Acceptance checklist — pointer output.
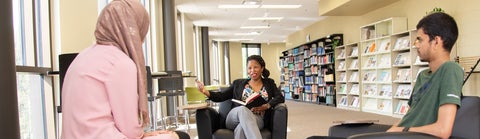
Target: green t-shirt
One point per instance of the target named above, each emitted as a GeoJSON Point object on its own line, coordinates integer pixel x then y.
{"type": "Point", "coordinates": [431, 91]}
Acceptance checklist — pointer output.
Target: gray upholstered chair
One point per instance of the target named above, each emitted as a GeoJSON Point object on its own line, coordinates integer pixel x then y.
{"type": "Point", "coordinates": [211, 123]}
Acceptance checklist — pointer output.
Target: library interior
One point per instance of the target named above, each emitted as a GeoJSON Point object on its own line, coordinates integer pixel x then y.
{"type": "Point", "coordinates": [224, 69]}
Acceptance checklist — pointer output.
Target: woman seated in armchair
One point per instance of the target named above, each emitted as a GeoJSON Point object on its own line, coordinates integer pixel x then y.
{"type": "Point", "coordinates": [245, 122]}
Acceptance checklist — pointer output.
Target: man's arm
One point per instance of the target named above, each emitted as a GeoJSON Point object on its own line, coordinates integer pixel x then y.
{"type": "Point", "coordinates": [441, 128]}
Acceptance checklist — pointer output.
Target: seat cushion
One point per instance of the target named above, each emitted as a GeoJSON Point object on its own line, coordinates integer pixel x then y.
{"type": "Point", "coordinates": [228, 134]}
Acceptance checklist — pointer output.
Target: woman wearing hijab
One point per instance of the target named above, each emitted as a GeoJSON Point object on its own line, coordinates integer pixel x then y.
{"type": "Point", "coordinates": [104, 90]}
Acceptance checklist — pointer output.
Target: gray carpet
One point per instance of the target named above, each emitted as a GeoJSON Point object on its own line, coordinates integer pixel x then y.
{"type": "Point", "coordinates": [308, 119]}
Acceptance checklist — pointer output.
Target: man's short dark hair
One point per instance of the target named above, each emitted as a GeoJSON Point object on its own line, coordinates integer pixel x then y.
{"type": "Point", "coordinates": [442, 25]}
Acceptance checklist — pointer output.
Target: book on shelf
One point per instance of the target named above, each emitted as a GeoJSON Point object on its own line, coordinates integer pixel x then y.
{"type": "Point", "coordinates": [354, 77]}
{"type": "Point", "coordinates": [354, 51]}
{"type": "Point", "coordinates": [354, 64]}
{"type": "Point", "coordinates": [403, 91]}
{"type": "Point", "coordinates": [355, 102]}
{"type": "Point", "coordinates": [354, 89]}
{"type": "Point", "coordinates": [402, 107]}
{"type": "Point", "coordinates": [385, 91]}
{"type": "Point", "coordinates": [253, 100]}
{"type": "Point", "coordinates": [402, 59]}
{"type": "Point", "coordinates": [402, 43]}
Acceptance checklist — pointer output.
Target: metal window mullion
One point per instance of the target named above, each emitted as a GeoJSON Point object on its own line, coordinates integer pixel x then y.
{"type": "Point", "coordinates": [35, 50]}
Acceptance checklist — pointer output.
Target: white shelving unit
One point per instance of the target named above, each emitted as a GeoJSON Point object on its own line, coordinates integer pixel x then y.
{"type": "Point", "coordinates": [348, 88]}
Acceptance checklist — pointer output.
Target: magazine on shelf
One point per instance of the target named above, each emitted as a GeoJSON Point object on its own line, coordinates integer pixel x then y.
{"type": "Point", "coordinates": [402, 43]}
{"type": "Point", "coordinates": [341, 65]}
{"type": "Point", "coordinates": [384, 61]}
{"type": "Point", "coordinates": [402, 107]}
{"type": "Point", "coordinates": [355, 102]}
{"type": "Point", "coordinates": [386, 91]}
{"type": "Point", "coordinates": [402, 59]}
{"type": "Point", "coordinates": [354, 51]}
{"type": "Point", "coordinates": [385, 105]}
{"type": "Point", "coordinates": [253, 100]}
{"type": "Point", "coordinates": [342, 54]}
{"type": "Point", "coordinates": [404, 91]}
{"type": "Point", "coordinates": [384, 45]}
{"type": "Point", "coordinates": [343, 101]}
{"type": "Point", "coordinates": [371, 62]}
{"type": "Point", "coordinates": [355, 89]}
{"type": "Point", "coordinates": [354, 77]}
{"type": "Point", "coordinates": [354, 64]}
{"type": "Point", "coordinates": [370, 90]}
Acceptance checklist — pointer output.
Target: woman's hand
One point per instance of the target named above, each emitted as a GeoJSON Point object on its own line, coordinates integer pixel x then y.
{"type": "Point", "coordinates": [261, 109]}
{"type": "Point", "coordinates": [201, 88]}
{"type": "Point", "coordinates": [159, 132]}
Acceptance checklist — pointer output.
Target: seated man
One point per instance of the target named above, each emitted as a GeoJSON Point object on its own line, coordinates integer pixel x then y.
{"type": "Point", "coordinates": [437, 90]}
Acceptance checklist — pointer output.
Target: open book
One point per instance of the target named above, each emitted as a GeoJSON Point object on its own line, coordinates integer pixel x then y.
{"type": "Point", "coordinates": [254, 100]}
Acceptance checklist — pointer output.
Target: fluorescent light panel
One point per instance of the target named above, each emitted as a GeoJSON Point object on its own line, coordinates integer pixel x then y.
{"type": "Point", "coordinates": [246, 34]}
{"type": "Point", "coordinates": [280, 6]}
{"type": "Point", "coordinates": [230, 6]}
{"type": "Point", "coordinates": [246, 6]}
{"type": "Point", "coordinates": [254, 27]}
{"type": "Point", "coordinates": [265, 18]}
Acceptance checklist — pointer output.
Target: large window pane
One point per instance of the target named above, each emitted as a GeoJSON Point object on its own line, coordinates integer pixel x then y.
{"type": "Point", "coordinates": [23, 31]}
{"type": "Point", "coordinates": [30, 106]}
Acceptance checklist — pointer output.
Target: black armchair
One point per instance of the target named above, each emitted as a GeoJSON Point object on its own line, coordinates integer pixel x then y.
{"type": "Point", "coordinates": [211, 124]}
{"type": "Point", "coordinates": [466, 126]}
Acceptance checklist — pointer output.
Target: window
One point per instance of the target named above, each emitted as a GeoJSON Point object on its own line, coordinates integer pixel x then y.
{"type": "Point", "coordinates": [33, 58]}
{"type": "Point", "coordinates": [249, 49]}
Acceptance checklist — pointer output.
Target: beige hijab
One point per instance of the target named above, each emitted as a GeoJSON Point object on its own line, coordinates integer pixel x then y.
{"type": "Point", "coordinates": [125, 23]}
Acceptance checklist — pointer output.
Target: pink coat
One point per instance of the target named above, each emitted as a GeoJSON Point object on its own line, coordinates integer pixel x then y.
{"type": "Point", "coordinates": [99, 96]}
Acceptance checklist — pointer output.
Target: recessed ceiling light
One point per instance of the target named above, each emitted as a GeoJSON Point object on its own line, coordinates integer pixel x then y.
{"type": "Point", "coordinates": [265, 18]}
{"type": "Point", "coordinates": [252, 2]}
{"type": "Point", "coordinates": [280, 6]}
{"type": "Point", "coordinates": [247, 6]}
{"type": "Point", "coordinates": [254, 27]}
{"type": "Point", "coordinates": [230, 6]}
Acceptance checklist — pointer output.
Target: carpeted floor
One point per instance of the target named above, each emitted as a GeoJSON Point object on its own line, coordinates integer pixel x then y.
{"type": "Point", "coordinates": [308, 119]}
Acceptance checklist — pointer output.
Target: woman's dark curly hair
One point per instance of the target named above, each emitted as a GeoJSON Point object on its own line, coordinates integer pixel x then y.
{"type": "Point", "coordinates": [260, 60]}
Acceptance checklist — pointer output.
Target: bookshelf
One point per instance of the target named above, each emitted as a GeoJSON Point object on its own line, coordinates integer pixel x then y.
{"type": "Point", "coordinates": [386, 67]}
{"type": "Point", "coordinates": [307, 71]}
{"type": "Point", "coordinates": [348, 90]}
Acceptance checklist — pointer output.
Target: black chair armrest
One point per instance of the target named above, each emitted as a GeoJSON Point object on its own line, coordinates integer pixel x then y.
{"type": "Point", "coordinates": [208, 120]}
{"type": "Point", "coordinates": [393, 135]}
{"type": "Point", "coordinates": [346, 130]}
{"type": "Point", "coordinates": [279, 121]}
